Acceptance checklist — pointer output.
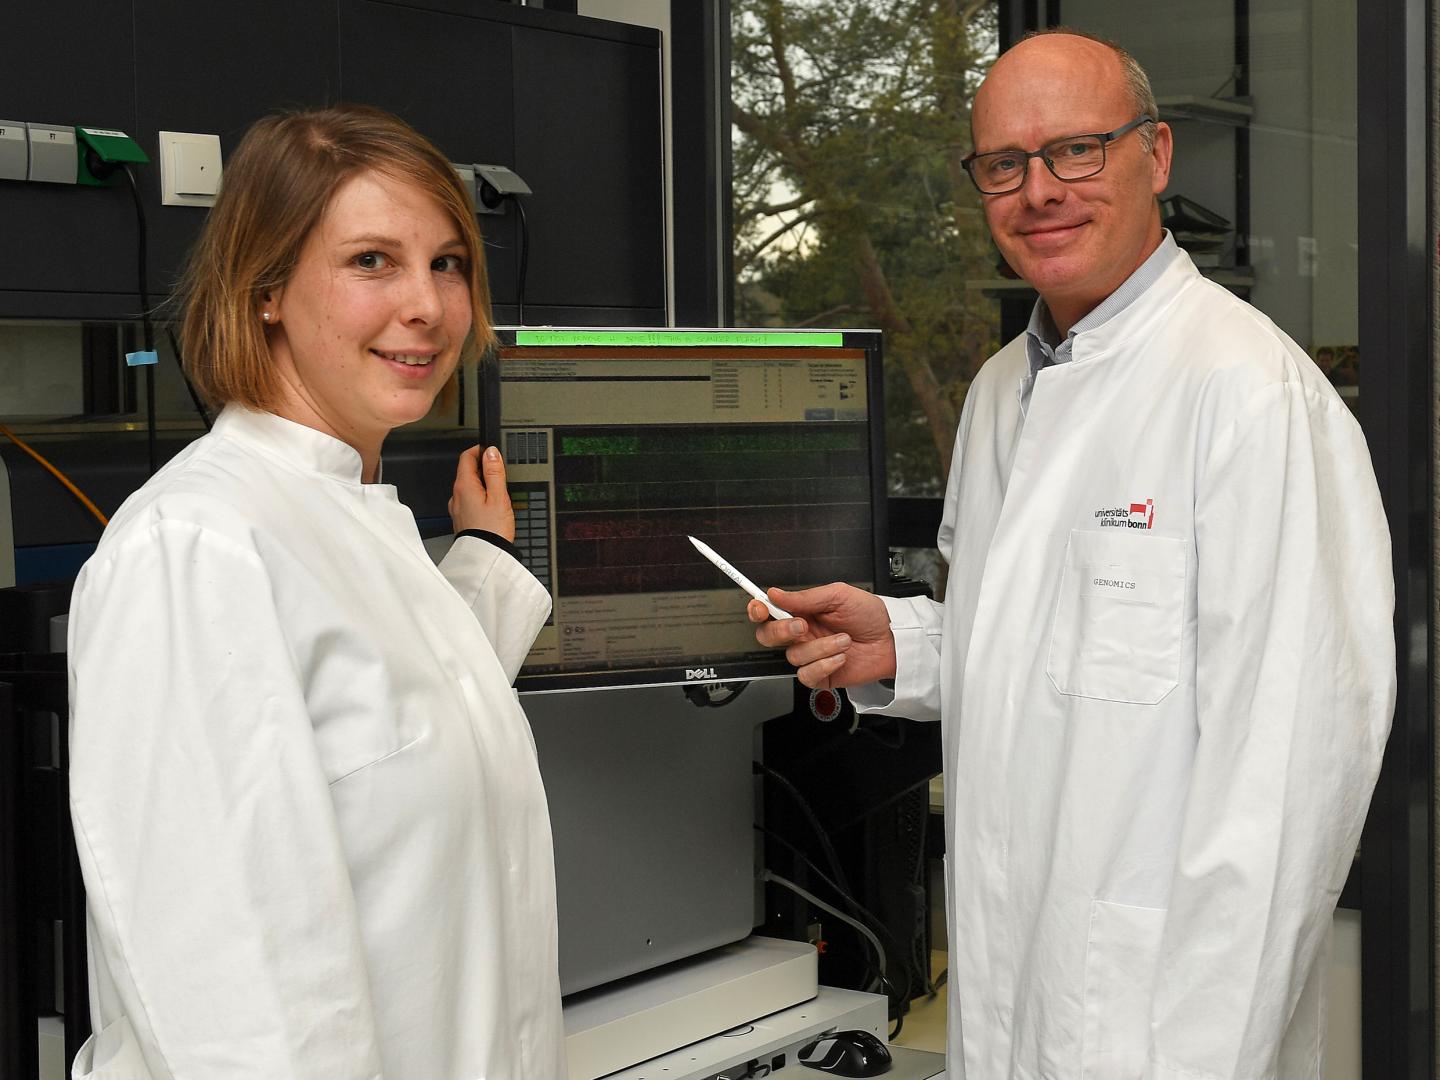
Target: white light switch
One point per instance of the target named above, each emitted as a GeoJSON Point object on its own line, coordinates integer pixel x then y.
{"type": "Point", "coordinates": [190, 168]}
{"type": "Point", "coordinates": [197, 168]}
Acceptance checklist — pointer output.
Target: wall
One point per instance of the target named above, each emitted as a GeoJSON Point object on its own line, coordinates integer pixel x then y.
{"type": "Point", "coordinates": [571, 103]}
{"type": "Point", "coordinates": [656, 14]}
{"type": "Point", "coordinates": [1433, 159]}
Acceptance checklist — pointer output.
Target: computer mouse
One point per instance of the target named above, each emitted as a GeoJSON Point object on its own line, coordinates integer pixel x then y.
{"type": "Point", "coordinates": [846, 1053]}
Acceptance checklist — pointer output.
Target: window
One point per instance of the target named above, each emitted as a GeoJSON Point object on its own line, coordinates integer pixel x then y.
{"type": "Point", "coordinates": [850, 205]}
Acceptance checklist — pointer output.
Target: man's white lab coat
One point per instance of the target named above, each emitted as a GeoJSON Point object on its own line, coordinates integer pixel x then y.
{"type": "Point", "coordinates": [306, 801]}
{"type": "Point", "coordinates": [1165, 667]}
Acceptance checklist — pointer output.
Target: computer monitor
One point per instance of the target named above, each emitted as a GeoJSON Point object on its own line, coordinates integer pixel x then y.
{"type": "Point", "coordinates": [766, 445]}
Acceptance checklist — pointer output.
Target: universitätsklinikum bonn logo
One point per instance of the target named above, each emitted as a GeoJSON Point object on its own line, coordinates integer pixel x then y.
{"type": "Point", "coordinates": [1140, 515]}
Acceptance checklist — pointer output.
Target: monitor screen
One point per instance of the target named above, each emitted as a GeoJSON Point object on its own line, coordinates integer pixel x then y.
{"type": "Point", "coordinates": [621, 444]}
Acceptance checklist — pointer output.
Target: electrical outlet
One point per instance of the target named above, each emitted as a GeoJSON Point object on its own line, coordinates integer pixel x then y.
{"type": "Point", "coordinates": [14, 151]}
{"type": "Point", "coordinates": [493, 183]}
{"type": "Point", "coordinates": [53, 157]}
{"type": "Point", "coordinates": [467, 177]}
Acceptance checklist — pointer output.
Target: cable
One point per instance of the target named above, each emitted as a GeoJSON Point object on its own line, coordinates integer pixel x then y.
{"type": "Point", "coordinates": [770, 875]}
{"type": "Point", "coordinates": [703, 695]}
{"type": "Point", "coordinates": [843, 891]}
{"type": "Point", "coordinates": [149, 330]}
{"type": "Point", "coordinates": [69, 485]}
{"type": "Point", "coordinates": [200, 405]}
{"type": "Point", "coordinates": [843, 888]}
{"type": "Point", "coordinates": [859, 908]}
{"type": "Point", "coordinates": [524, 259]}
{"type": "Point", "coordinates": [897, 743]}
{"type": "Point", "coordinates": [826, 847]}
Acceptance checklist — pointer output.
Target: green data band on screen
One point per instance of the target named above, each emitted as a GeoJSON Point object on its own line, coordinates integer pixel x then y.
{"type": "Point", "coordinates": [677, 337]}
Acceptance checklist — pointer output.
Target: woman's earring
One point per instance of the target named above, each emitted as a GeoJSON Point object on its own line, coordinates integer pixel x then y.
{"type": "Point", "coordinates": [266, 316]}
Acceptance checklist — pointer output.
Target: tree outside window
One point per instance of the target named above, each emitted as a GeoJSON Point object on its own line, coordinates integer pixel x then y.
{"type": "Point", "coordinates": [850, 205]}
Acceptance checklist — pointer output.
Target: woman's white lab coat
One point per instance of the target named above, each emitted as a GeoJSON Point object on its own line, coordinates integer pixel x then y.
{"type": "Point", "coordinates": [306, 801]}
{"type": "Point", "coordinates": [1165, 667]}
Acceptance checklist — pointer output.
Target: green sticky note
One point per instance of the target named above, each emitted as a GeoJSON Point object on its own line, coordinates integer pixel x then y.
{"type": "Point", "coordinates": [652, 338]}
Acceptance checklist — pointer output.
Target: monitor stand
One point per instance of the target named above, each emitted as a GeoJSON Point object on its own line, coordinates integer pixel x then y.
{"type": "Point", "coordinates": [642, 1017]}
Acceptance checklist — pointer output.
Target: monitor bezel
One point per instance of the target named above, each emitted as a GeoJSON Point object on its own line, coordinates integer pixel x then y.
{"type": "Point", "coordinates": [702, 673]}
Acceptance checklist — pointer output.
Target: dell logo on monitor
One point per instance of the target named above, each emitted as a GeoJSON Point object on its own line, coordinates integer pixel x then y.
{"type": "Point", "coordinates": [700, 673]}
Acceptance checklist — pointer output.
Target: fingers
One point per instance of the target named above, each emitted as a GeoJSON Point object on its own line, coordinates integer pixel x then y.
{"type": "Point", "coordinates": [492, 468]}
{"type": "Point", "coordinates": [488, 467]}
{"type": "Point", "coordinates": [779, 633]}
{"type": "Point", "coordinates": [759, 613]}
{"type": "Point", "coordinates": [468, 466]}
{"type": "Point", "coordinates": [480, 498]}
{"type": "Point", "coordinates": [805, 653]}
{"type": "Point", "coordinates": [814, 601]}
{"type": "Point", "coordinates": [818, 675]}
{"type": "Point", "coordinates": [789, 600]}
{"type": "Point", "coordinates": [485, 469]}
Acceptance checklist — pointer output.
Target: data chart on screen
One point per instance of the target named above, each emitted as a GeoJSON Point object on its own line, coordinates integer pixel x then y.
{"type": "Point", "coordinates": [615, 454]}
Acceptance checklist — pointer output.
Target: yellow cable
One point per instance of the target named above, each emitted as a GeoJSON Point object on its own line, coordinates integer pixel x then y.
{"type": "Point", "coordinates": [55, 473]}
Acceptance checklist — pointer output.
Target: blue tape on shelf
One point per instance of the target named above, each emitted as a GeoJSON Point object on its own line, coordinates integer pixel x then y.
{"type": "Point", "coordinates": [140, 359]}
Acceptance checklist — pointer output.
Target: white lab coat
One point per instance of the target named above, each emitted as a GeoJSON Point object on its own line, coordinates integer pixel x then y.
{"type": "Point", "coordinates": [306, 801]}
{"type": "Point", "coordinates": [1160, 742]}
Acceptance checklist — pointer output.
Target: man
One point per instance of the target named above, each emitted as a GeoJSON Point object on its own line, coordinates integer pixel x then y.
{"type": "Point", "coordinates": [1165, 663]}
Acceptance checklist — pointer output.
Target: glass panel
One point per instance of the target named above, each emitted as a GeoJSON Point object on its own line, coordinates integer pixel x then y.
{"type": "Point", "coordinates": [850, 206]}
{"type": "Point", "coordinates": [1263, 108]}
{"type": "Point", "coordinates": [41, 370]}
{"type": "Point", "coordinates": [56, 373]}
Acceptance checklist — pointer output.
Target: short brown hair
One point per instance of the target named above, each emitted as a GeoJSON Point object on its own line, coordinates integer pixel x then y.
{"type": "Point", "coordinates": [277, 185]}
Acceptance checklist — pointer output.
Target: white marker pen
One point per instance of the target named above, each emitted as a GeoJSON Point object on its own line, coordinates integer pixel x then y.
{"type": "Point", "coordinates": [739, 578]}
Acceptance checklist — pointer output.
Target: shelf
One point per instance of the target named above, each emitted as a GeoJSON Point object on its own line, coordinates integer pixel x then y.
{"type": "Point", "coordinates": [998, 285]}
{"type": "Point", "coordinates": [1195, 107]}
{"type": "Point", "coordinates": [1229, 276]}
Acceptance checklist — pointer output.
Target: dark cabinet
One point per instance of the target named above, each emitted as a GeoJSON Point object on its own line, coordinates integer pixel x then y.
{"type": "Point", "coordinates": [572, 104]}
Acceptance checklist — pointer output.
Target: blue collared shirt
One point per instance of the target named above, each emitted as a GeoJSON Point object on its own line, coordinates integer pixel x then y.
{"type": "Point", "coordinates": [1043, 346]}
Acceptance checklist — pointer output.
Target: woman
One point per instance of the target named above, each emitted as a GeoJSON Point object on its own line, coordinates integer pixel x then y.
{"type": "Point", "coordinates": [306, 801]}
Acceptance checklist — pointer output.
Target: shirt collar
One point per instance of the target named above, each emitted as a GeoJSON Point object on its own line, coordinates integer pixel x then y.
{"type": "Point", "coordinates": [1043, 346]}
{"type": "Point", "coordinates": [296, 445]}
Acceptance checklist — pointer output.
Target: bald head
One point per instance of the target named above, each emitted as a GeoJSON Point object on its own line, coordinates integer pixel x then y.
{"type": "Point", "coordinates": [1075, 241]}
{"type": "Point", "coordinates": [1098, 62]}
{"type": "Point", "coordinates": [1137, 83]}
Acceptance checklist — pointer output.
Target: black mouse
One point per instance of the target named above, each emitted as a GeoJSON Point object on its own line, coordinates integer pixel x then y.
{"type": "Point", "coordinates": [846, 1053]}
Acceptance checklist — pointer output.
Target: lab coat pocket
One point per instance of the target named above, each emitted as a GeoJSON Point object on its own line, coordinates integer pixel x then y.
{"type": "Point", "coordinates": [1120, 962]}
{"type": "Point", "coordinates": [111, 1054]}
{"type": "Point", "coordinates": [1119, 617]}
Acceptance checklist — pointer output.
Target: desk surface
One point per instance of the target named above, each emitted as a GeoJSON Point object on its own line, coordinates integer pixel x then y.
{"type": "Point", "coordinates": [916, 1065]}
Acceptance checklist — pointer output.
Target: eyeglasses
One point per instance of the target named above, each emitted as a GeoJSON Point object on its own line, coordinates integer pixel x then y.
{"type": "Point", "coordinates": [1075, 157]}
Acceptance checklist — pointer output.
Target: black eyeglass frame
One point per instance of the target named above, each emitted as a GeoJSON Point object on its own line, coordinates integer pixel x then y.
{"type": "Point", "coordinates": [1105, 137]}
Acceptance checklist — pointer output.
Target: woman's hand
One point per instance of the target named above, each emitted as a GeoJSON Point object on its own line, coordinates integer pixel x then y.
{"type": "Point", "coordinates": [480, 499]}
